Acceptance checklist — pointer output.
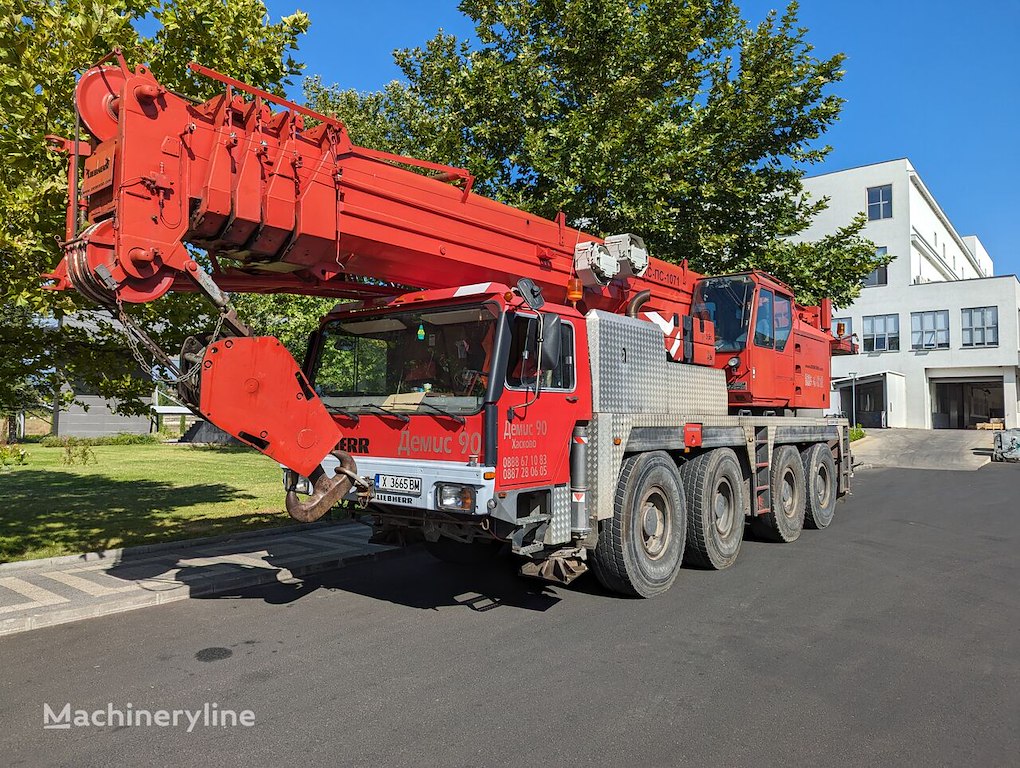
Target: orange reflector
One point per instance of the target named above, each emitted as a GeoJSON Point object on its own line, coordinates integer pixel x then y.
{"type": "Point", "coordinates": [617, 441]}
{"type": "Point", "coordinates": [508, 296]}
{"type": "Point", "coordinates": [489, 476]}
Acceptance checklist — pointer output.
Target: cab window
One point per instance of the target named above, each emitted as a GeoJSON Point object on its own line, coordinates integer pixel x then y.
{"type": "Point", "coordinates": [783, 320]}
{"type": "Point", "coordinates": [522, 363]}
{"type": "Point", "coordinates": [763, 333]}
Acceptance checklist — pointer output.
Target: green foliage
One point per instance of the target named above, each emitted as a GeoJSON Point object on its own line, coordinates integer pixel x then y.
{"type": "Point", "coordinates": [856, 432]}
{"type": "Point", "coordinates": [43, 44]}
{"type": "Point", "coordinates": [678, 121]}
{"type": "Point", "coordinates": [77, 451]}
{"type": "Point", "coordinates": [12, 456]}
{"type": "Point", "coordinates": [124, 438]}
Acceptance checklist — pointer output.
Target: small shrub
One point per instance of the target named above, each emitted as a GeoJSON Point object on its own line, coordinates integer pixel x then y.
{"type": "Point", "coordinates": [125, 438]}
{"type": "Point", "coordinates": [77, 451]}
{"type": "Point", "coordinates": [856, 433]}
{"type": "Point", "coordinates": [12, 456]}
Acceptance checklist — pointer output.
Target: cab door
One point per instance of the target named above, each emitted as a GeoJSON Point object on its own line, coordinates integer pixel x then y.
{"type": "Point", "coordinates": [763, 345]}
{"type": "Point", "coordinates": [534, 432]}
{"type": "Point", "coordinates": [773, 349]}
{"type": "Point", "coordinates": [785, 346]}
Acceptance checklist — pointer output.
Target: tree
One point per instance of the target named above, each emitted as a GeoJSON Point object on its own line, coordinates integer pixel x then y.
{"type": "Point", "coordinates": [677, 121]}
{"type": "Point", "coordinates": [61, 38]}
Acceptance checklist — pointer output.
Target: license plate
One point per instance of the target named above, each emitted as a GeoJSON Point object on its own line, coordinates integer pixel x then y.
{"type": "Point", "coordinates": [398, 484]}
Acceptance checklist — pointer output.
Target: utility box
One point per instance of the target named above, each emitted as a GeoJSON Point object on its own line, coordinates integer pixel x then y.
{"type": "Point", "coordinates": [1006, 445]}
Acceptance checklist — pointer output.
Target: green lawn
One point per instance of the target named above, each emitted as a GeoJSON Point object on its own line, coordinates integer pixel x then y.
{"type": "Point", "coordinates": [135, 494]}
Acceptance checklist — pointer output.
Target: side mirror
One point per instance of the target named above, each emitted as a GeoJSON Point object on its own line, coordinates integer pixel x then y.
{"type": "Point", "coordinates": [550, 340]}
{"type": "Point", "coordinates": [531, 293]}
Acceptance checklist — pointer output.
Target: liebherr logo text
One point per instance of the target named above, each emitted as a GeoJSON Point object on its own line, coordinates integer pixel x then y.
{"type": "Point", "coordinates": [91, 172]}
{"type": "Point", "coordinates": [524, 435]}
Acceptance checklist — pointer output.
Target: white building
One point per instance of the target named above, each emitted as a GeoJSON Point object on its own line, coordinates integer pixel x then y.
{"type": "Point", "coordinates": [939, 335]}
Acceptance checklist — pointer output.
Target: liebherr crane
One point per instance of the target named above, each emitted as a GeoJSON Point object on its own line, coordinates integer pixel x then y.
{"type": "Point", "coordinates": [487, 375]}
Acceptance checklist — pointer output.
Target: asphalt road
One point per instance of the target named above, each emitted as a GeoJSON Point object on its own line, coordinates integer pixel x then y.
{"type": "Point", "coordinates": [889, 639]}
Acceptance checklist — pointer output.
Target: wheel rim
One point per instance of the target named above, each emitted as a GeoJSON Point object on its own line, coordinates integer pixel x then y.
{"type": "Point", "coordinates": [656, 525]}
{"type": "Point", "coordinates": [823, 486]}
{"type": "Point", "coordinates": [724, 507]}
{"type": "Point", "coordinates": [788, 495]}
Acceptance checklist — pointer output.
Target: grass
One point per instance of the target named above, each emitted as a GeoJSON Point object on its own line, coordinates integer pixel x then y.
{"type": "Point", "coordinates": [856, 433]}
{"type": "Point", "coordinates": [134, 494]}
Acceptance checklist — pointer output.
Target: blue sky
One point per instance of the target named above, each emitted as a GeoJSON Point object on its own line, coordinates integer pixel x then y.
{"type": "Point", "coordinates": [934, 81]}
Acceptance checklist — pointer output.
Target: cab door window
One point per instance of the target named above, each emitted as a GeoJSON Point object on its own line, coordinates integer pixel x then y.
{"type": "Point", "coordinates": [522, 364]}
{"type": "Point", "coordinates": [764, 335]}
{"type": "Point", "coordinates": [783, 320]}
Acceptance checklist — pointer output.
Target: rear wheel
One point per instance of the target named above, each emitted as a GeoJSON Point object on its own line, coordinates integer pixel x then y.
{"type": "Point", "coordinates": [713, 485]}
{"type": "Point", "coordinates": [785, 520]}
{"type": "Point", "coordinates": [641, 546]}
{"type": "Point", "coordinates": [820, 479]}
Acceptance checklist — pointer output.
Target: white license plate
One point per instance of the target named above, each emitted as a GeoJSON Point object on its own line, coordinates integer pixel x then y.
{"type": "Point", "coordinates": [398, 484]}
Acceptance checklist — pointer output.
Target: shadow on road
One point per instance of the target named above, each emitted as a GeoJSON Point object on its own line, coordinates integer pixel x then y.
{"type": "Point", "coordinates": [416, 580]}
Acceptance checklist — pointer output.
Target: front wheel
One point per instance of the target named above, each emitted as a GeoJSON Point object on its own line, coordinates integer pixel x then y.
{"type": "Point", "coordinates": [641, 546]}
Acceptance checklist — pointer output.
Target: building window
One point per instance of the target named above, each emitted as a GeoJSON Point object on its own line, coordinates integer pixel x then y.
{"type": "Point", "coordinates": [980, 327]}
{"type": "Point", "coordinates": [881, 275]}
{"type": "Point", "coordinates": [880, 202]}
{"type": "Point", "coordinates": [929, 330]}
{"type": "Point", "coordinates": [848, 327]}
{"type": "Point", "coordinates": [882, 333]}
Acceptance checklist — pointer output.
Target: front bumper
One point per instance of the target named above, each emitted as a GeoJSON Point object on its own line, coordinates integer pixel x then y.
{"type": "Point", "coordinates": [431, 473]}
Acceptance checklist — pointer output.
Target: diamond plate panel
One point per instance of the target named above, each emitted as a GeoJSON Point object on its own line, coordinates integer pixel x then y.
{"type": "Point", "coordinates": [558, 531]}
{"type": "Point", "coordinates": [631, 372]}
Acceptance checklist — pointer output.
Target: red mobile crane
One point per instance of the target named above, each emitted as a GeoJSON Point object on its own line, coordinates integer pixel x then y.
{"type": "Point", "coordinates": [488, 376]}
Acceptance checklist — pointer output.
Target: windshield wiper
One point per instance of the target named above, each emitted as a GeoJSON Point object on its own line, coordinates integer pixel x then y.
{"type": "Point", "coordinates": [387, 411]}
{"type": "Point", "coordinates": [447, 414]}
{"type": "Point", "coordinates": [344, 412]}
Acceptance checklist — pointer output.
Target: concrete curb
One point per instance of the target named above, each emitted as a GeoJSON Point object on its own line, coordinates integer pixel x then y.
{"type": "Point", "coordinates": [251, 578]}
{"type": "Point", "coordinates": [116, 555]}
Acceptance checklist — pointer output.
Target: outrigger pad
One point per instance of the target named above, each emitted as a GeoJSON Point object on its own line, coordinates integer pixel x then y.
{"type": "Point", "coordinates": [253, 389]}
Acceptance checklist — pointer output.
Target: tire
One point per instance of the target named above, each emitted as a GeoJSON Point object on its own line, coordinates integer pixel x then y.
{"type": "Point", "coordinates": [785, 520]}
{"type": "Point", "coordinates": [459, 553]}
{"type": "Point", "coordinates": [822, 484]}
{"type": "Point", "coordinates": [714, 490]}
{"type": "Point", "coordinates": [641, 547]}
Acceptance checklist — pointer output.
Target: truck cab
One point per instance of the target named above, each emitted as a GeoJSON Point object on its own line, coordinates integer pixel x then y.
{"type": "Point", "coordinates": [450, 401]}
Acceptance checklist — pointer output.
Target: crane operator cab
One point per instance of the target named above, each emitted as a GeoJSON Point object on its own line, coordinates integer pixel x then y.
{"type": "Point", "coordinates": [754, 321]}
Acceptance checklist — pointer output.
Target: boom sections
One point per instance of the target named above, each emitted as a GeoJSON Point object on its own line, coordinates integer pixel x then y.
{"type": "Point", "coordinates": [283, 201]}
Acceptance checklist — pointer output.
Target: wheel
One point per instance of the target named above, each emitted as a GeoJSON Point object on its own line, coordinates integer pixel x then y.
{"type": "Point", "coordinates": [821, 482]}
{"type": "Point", "coordinates": [459, 553]}
{"type": "Point", "coordinates": [785, 520]}
{"type": "Point", "coordinates": [713, 486]}
{"type": "Point", "coordinates": [641, 546]}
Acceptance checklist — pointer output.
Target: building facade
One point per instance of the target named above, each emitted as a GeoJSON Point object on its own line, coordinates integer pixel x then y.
{"type": "Point", "coordinates": [938, 332]}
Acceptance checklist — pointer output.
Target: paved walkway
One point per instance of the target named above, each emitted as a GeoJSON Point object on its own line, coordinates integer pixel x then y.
{"type": "Point", "coordinates": [38, 594]}
{"type": "Point", "coordinates": [959, 449]}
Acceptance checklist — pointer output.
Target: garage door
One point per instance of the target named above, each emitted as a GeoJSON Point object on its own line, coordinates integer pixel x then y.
{"type": "Point", "coordinates": [962, 404]}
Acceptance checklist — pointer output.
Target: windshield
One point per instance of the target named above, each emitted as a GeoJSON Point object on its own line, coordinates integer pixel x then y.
{"type": "Point", "coordinates": [423, 360]}
{"type": "Point", "coordinates": [727, 302]}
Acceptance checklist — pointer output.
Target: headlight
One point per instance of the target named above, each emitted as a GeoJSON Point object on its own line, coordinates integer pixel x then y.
{"type": "Point", "coordinates": [733, 362]}
{"type": "Point", "coordinates": [459, 498]}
